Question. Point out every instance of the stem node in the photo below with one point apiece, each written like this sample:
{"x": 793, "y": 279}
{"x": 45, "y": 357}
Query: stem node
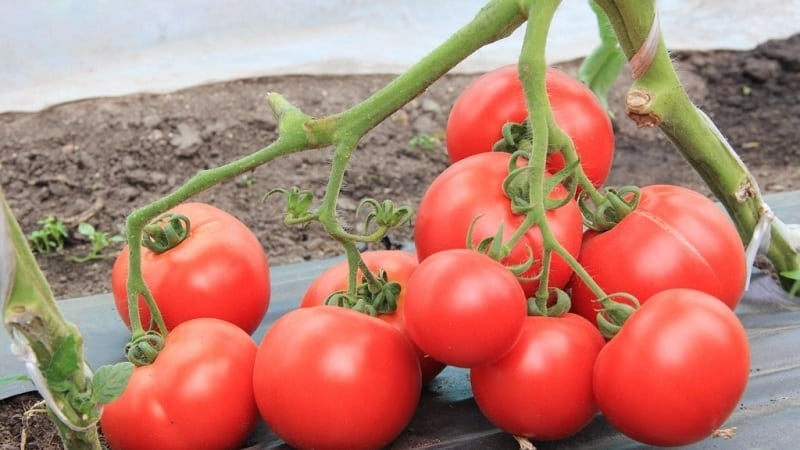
{"x": 639, "y": 107}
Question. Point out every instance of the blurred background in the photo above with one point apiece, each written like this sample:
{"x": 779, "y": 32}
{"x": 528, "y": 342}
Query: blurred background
{"x": 52, "y": 51}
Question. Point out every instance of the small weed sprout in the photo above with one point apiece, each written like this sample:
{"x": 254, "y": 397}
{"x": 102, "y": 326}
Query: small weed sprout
{"x": 99, "y": 240}
{"x": 426, "y": 141}
{"x": 50, "y": 236}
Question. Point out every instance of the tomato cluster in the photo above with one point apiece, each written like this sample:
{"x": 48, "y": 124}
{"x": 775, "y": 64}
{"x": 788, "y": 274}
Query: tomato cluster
{"x": 669, "y": 372}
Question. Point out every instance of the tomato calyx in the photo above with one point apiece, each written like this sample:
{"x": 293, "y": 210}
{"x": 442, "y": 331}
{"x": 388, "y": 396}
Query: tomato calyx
{"x": 142, "y": 350}
{"x": 376, "y": 296}
{"x": 613, "y": 314}
{"x": 298, "y": 205}
{"x": 165, "y": 232}
{"x": 610, "y": 209}
{"x": 555, "y": 303}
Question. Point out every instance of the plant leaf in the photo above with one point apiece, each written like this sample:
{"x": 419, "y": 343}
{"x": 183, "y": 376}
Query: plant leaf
{"x": 602, "y": 66}
{"x": 64, "y": 362}
{"x": 793, "y": 275}
{"x": 110, "y": 381}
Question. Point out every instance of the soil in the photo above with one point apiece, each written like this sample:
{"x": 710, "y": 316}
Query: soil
{"x": 96, "y": 160}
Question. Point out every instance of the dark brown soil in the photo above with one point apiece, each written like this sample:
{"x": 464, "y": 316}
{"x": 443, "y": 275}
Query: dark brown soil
{"x": 96, "y": 160}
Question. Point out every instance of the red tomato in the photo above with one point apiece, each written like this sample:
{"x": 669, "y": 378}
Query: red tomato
{"x": 473, "y": 189}
{"x": 496, "y": 98}
{"x": 542, "y": 388}
{"x": 398, "y": 265}
{"x": 332, "y": 378}
{"x": 675, "y": 371}
{"x": 675, "y": 238}
{"x": 464, "y": 308}
{"x": 220, "y": 270}
{"x": 197, "y": 394}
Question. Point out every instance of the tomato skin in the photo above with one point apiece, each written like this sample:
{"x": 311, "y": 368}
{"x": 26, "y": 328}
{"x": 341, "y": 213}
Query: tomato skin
{"x": 473, "y": 189}
{"x": 398, "y": 265}
{"x": 675, "y": 371}
{"x": 495, "y": 98}
{"x": 675, "y": 238}
{"x": 542, "y": 388}
{"x": 220, "y": 270}
{"x": 332, "y": 378}
{"x": 464, "y": 308}
{"x": 197, "y": 394}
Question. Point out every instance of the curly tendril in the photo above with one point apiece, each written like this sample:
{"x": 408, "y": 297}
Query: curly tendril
{"x": 143, "y": 350}
{"x": 165, "y": 232}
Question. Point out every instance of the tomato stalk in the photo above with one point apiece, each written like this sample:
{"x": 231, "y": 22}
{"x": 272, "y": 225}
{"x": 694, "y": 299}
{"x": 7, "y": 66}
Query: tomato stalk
{"x": 50, "y": 347}
{"x": 542, "y": 125}
{"x": 299, "y": 132}
{"x": 657, "y": 98}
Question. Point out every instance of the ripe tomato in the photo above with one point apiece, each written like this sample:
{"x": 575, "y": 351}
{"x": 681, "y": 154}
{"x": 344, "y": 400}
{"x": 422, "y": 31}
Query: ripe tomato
{"x": 675, "y": 238}
{"x": 220, "y": 270}
{"x": 495, "y": 98}
{"x": 542, "y": 388}
{"x": 197, "y": 394}
{"x": 471, "y": 190}
{"x": 675, "y": 371}
{"x": 331, "y": 378}
{"x": 464, "y": 308}
{"x": 398, "y": 265}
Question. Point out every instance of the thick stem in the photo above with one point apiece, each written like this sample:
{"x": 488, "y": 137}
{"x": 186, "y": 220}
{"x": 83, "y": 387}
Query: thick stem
{"x": 42, "y": 338}
{"x": 658, "y": 98}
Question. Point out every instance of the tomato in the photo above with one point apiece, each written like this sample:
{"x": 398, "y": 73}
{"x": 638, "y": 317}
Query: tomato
{"x": 220, "y": 270}
{"x": 675, "y": 371}
{"x": 471, "y": 191}
{"x": 197, "y": 394}
{"x": 495, "y": 98}
{"x": 331, "y": 378}
{"x": 675, "y": 238}
{"x": 398, "y": 265}
{"x": 464, "y": 308}
{"x": 542, "y": 388}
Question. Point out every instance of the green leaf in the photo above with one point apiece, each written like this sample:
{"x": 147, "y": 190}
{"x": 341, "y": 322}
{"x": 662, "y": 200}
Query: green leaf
{"x": 86, "y": 229}
{"x": 793, "y": 275}
{"x": 109, "y": 382}
{"x": 64, "y": 362}
{"x": 602, "y": 66}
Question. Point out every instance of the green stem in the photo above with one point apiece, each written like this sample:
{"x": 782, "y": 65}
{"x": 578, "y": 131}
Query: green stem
{"x": 658, "y": 98}
{"x": 50, "y": 347}
{"x": 532, "y": 75}
{"x": 495, "y": 21}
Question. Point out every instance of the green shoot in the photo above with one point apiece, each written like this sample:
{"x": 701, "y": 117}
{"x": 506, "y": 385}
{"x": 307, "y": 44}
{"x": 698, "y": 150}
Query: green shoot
{"x": 99, "y": 240}
{"x": 50, "y": 236}
{"x": 426, "y": 141}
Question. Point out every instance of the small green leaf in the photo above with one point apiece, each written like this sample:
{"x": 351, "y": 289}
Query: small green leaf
{"x": 63, "y": 363}
{"x": 109, "y": 382}
{"x": 86, "y": 229}
{"x": 602, "y": 66}
{"x": 793, "y": 275}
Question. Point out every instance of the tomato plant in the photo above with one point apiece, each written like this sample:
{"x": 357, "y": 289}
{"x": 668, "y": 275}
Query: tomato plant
{"x": 495, "y": 98}
{"x": 464, "y": 308}
{"x": 197, "y": 394}
{"x": 675, "y": 371}
{"x": 674, "y": 238}
{"x": 331, "y": 378}
{"x": 542, "y": 388}
{"x": 219, "y": 270}
{"x": 398, "y": 266}
{"x": 469, "y": 195}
